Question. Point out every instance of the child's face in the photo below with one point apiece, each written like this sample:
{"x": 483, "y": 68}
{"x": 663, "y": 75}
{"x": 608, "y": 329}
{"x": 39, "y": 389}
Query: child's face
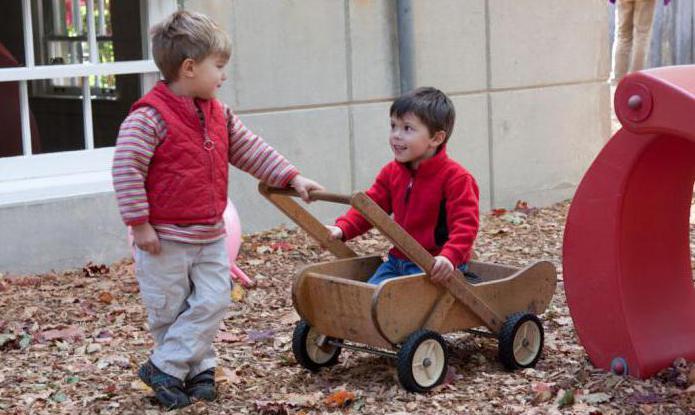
{"x": 208, "y": 76}
{"x": 411, "y": 141}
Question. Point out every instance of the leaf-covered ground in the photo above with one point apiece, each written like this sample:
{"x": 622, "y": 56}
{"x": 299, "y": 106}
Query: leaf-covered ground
{"x": 71, "y": 343}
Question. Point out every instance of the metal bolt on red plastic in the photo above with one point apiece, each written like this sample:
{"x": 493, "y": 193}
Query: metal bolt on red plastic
{"x": 634, "y": 102}
{"x": 619, "y": 366}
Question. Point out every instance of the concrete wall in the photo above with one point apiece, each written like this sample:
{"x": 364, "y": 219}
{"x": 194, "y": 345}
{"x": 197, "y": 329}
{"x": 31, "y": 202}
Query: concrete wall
{"x": 316, "y": 78}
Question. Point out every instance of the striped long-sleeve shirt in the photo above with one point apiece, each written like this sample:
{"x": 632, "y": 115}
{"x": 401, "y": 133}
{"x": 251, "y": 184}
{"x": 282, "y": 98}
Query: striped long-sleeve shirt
{"x": 140, "y": 134}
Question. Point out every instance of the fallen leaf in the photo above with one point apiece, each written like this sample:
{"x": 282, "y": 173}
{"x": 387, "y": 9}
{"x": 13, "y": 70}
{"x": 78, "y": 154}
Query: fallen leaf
{"x": 92, "y": 270}
{"x": 543, "y": 392}
{"x": 226, "y": 375}
{"x": 642, "y": 398}
{"x": 260, "y": 336}
{"x": 339, "y": 399}
{"x": 23, "y": 280}
{"x": 116, "y": 360}
{"x": 24, "y": 341}
{"x": 29, "y": 312}
{"x": 500, "y": 231}
{"x": 105, "y": 297}
{"x": 691, "y": 376}
{"x": 59, "y": 397}
{"x": 593, "y": 398}
{"x": 282, "y": 246}
{"x": 263, "y": 249}
{"x": 71, "y": 333}
{"x": 450, "y": 376}
{"x": 130, "y": 288}
{"x": 228, "y": 337}
{"x": 523, "y": 207}
{"x": 498, "y": 212}
{"x": 93, "y": 348}
{"x": 140, "y": 386}
{"x": 564, "y": 398}
{"x": 305, "y": 400}
{"x": 271, "y": 408}
{"x": 238, "y": 293}
{"x": 5, "y": 338}
{"x": 515, "y": 218}
{"x": 290, "y": 317}
{"x": 103, "y": 336}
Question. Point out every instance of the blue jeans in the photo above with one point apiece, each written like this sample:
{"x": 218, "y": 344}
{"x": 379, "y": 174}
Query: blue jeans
{"x": 396, "y": 267}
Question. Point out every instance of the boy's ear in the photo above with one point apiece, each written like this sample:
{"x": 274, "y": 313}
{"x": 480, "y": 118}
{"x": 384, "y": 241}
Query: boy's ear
{"x": 438, "y": 138}
{"x": 187, "y": 68}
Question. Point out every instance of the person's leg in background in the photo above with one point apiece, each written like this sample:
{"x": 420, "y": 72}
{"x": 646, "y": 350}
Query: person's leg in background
{"x": 622, "y": 44}
{"x": 643, "y": 17}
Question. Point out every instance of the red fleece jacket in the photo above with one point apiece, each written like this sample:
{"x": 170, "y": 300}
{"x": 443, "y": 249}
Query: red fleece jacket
{"x": 437, "y": 204}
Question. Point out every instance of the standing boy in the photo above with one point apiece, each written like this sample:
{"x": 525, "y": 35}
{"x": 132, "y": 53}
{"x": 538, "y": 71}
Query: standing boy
{"x": 170, "y": 172}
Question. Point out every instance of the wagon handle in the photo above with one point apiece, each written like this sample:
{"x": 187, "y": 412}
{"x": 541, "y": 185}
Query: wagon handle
{"x": 282, "y": 199}
{"x": 458, "y": 288}
{"x": 313, "y": 195}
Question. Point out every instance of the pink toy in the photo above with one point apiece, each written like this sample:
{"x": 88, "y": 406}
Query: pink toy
{"x": 232, "y": 226}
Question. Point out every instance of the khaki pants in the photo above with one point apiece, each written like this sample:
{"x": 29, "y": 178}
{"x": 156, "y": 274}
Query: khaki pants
{"x": 186, "y": 290}
{"x": 633, "y": 29}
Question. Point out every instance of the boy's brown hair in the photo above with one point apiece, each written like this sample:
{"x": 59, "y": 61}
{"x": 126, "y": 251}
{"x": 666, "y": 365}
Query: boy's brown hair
{"x": 431, "y": 106}
{"x": 185, "y": 35}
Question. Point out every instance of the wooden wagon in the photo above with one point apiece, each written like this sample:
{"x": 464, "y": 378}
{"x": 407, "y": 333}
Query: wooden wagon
{"x": 404, "y": 317}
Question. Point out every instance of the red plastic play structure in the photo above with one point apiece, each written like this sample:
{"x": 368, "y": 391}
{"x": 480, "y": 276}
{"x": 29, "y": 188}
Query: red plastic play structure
{"x": 626, "y": 254}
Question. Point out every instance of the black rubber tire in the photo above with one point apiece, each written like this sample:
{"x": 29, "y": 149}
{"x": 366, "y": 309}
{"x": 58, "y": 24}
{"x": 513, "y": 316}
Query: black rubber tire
{"x": 506, "y": 340}
{"x": 405, "y": 360}
{"x": 301, "y": 354}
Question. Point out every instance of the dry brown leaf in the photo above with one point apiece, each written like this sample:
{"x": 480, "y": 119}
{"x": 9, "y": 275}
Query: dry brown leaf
{"x": 339, "y": 399}
{"x": 238, "y": 292}
{"x": 229, "y": 337}
{"x": 105, "y": 297}
{"x": 71, "y": 333}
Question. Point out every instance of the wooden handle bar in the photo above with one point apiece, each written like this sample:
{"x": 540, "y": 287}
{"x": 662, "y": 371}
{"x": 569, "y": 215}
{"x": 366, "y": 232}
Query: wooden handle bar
{"x": 313, "y": 195}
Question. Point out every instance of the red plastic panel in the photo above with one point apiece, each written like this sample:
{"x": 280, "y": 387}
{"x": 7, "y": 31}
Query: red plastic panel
{"x": 626, "y": 253}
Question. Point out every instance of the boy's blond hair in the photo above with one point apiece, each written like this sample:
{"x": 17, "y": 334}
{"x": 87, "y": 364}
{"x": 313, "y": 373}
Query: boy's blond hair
{"x": 186, "y": 35}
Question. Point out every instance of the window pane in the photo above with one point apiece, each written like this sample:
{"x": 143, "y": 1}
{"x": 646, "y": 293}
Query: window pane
{"x": 108, "y": 114}
{"x": 10, "y": 120}
{"x": 60, "y": 52}
{"x": 11, "y": 34}
{"x": 60, "y": 30}
{"x": 59, "y": 120}
{"x": 61, "y": 26}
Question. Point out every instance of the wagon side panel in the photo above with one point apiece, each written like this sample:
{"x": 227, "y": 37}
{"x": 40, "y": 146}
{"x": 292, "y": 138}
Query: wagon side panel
{"x": 338, "y": 308}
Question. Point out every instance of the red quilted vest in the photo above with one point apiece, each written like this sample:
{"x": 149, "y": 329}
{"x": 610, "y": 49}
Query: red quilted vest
{"x": 188, "y": 174}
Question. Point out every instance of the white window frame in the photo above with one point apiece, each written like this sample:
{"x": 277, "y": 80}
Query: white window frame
{"x": 31, "y": 177}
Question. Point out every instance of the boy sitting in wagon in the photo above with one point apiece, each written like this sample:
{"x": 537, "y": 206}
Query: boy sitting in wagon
{"x": 430, "y": 195}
